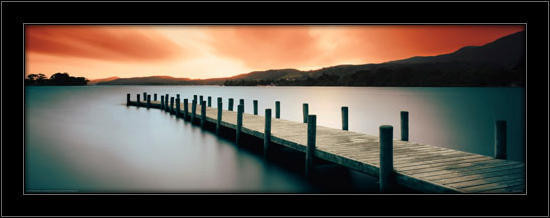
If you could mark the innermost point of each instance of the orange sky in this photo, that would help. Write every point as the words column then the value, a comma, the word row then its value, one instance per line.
column 220, row 51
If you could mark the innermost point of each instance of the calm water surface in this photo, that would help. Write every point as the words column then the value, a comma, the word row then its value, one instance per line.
column 84, row 139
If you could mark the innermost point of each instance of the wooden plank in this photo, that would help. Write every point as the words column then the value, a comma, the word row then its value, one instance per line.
column 420, row 159
column 473, row 172
column 372, row 151
column 483, row 181
column 457, row 167
column 479, row 176
column 457, row 157
column 442, row 164
column 485, row 187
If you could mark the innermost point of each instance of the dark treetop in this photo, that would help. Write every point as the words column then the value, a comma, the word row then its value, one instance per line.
column 58, row 79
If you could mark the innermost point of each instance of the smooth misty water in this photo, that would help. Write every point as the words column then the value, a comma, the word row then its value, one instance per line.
column 85, row 139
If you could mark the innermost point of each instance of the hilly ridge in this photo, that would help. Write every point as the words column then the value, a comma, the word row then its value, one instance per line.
column 498, row 63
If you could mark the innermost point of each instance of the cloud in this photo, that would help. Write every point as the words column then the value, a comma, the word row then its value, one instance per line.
column 111, row 43
column 262, row 47
column 267, row 47
column 387, row 43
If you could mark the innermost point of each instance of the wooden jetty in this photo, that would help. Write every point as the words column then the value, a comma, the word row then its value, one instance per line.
column 425, row 168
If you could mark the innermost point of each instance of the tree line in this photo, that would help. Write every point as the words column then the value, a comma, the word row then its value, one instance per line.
column 424, row 74
column 57, row 79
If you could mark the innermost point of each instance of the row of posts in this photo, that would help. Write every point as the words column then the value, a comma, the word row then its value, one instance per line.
column 386, row 131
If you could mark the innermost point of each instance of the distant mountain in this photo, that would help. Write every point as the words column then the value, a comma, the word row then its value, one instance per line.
column 503, row 52
column 498, row 63
column 95, row 81
column 151, row 80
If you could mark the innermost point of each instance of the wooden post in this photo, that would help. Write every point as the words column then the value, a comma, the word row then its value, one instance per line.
column 219, row 120
column 500, row 139
column 311, row 136
column 148, row 101
column 209, row 101
column 166, row 102
column 305, row 111
column 267, row 131
column 138, row 100
column 177, row 107
column 345, row 118
column 171, row 105
column 200, row 99
column 145, row 96
column 386, row 157
column 230, row 106
column 162, row 102
column 277, row 109
column 241, row 101
column 194, row 97
column 185, row 111
column 203, row 113
column 240, row 111
column 128, row 99
column 177, row 96
column 404, row 126
column 255, row 103
column 193, row 110
column 155, row 97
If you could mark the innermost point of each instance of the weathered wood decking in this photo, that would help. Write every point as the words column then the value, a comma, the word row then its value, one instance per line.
column 425, row 168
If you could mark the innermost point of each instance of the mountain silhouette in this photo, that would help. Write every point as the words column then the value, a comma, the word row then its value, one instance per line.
column 498, row 63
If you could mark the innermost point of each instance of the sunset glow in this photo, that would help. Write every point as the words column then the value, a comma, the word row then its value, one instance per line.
column 201, row 52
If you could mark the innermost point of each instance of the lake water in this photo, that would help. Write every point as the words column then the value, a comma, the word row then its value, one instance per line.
column 84, row 139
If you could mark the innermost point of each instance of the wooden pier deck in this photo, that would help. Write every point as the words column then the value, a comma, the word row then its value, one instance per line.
column 426, row 168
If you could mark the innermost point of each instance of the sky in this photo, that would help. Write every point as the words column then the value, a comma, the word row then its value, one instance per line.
column 201, row 52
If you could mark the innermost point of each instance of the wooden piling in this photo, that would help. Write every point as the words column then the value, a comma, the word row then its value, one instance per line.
column 345, row 118
column 128, row 99
column 267, row 131
column 148, row 101
column 194, row 97
column 155, row 97
column 240, row 111
column 171, row 105
column 241, row 101
column 230, row 105
column 177, row 107
column 166, row 102
column 185, row 111
column 201, row 99
column 404, row 126
column 203, row 113
column 138, row 100
column 500, row 139
column 305, row 111
column 277, row 109
column 311, row 137
column 177, row 96
column 193, row 110
column 162, row 102
column 145, row 96
column 386, row 158
column 209, row 101
column 219, row 120
column 255, row 104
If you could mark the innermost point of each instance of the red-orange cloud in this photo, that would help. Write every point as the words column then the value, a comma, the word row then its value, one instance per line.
column 111, row 43
column 262, row 47
column 266, row 47
column 387, row 43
